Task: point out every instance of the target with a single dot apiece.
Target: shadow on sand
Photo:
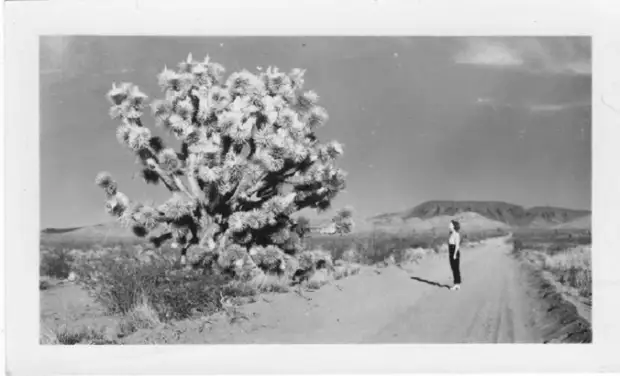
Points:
(436, 284)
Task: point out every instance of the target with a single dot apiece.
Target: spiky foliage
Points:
(249, 159)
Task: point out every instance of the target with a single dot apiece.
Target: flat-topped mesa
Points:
(510, 214)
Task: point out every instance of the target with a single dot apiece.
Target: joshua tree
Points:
(249, 158)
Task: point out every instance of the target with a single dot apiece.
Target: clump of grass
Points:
(573, 268)
(517, 246)
(45, 283)
(410, 255)
(142, 316)
(346, 270)
(352, 255)
(260, 283)
(268, 283)
(316, 284)
(85, 335)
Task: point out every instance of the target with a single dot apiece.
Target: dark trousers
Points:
(455, 265)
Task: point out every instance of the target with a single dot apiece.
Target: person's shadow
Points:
(432, 283)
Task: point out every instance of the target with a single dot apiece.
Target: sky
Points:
(421, 118)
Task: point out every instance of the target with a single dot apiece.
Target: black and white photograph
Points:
(327, 188)
(315, 190)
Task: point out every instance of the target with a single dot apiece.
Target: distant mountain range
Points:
(429, 216)
(502, 212)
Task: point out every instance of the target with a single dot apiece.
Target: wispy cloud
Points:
(531, 107)
(546, 108)
(488, 52)
(490, 102)
(578, 67)
(484, 101)
(550, 55)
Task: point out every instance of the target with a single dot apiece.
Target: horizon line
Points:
(42, 228)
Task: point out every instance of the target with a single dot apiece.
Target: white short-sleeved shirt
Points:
(454, 239)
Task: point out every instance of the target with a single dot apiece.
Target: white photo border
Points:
(26, 21)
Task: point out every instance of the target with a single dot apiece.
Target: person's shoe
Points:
(456, 287)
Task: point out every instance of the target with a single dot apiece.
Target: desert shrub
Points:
(351, 255)
(268, 283)
(318, 258)
(319, 279)
(346, 269)
(291, 265)
(517, 245)
(269, 259)
(316, 284)
(572, 267)
(45, 282)
(56, 263)
(141, 316)
(121, 282)
(240, 288)
(564, 253)
(85, 335)
(411, 255)
(181, 296)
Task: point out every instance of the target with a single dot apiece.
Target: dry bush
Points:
(267, 283)
(291, 265)
(346, 270)
(565, 254)
(141, 316)
(269, 259)
(572, 267)
(441, 248)
(120, 281)
(46, 282)
(413, 255)
(309, 258)
(517, 246)
(85, 335)
(319, 279)
(352, 255)
(260, 283)
(56, 263)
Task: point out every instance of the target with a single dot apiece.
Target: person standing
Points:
(454, 253)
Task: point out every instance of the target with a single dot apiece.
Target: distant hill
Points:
(104, 232)
(508, 214)
(429, 216)
(583, 223)
(59, 230)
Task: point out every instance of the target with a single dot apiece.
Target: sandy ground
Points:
(499, 302)
(397, 306)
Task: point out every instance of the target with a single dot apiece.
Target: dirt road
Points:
(397, 306)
